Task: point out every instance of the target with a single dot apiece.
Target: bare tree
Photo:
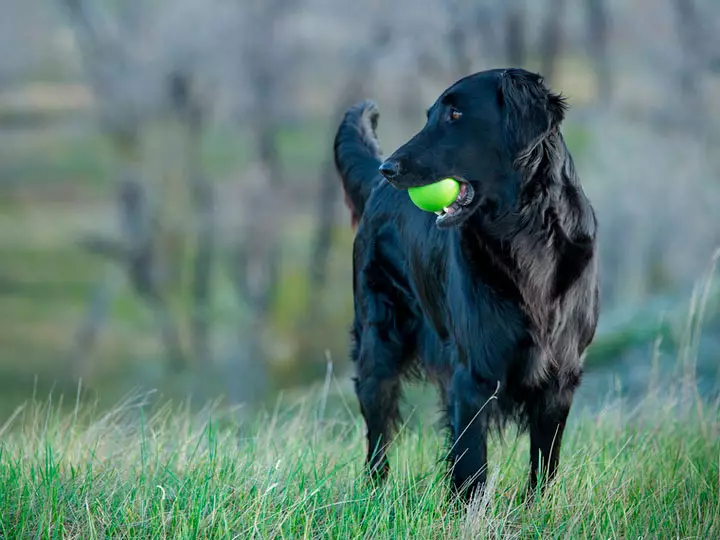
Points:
(551, 38)
(110, 69)
(20, 19)
(189, 108)
(691, 38)
(515, 33)
(358, 82)
(267, 69)
(459, 36)
(598, 24)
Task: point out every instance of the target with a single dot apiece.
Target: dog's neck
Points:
(549, 186)
(530, 241)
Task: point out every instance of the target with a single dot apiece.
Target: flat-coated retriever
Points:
(494, 299)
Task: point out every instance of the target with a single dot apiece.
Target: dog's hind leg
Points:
(377, 386)
(468, 415)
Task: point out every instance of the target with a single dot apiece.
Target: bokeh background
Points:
(170, 216)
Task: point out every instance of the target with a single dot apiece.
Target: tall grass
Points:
(650, 472)
(647, 471)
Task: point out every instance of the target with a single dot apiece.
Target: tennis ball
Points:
(435, 197)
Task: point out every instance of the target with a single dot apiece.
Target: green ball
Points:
(435, 197)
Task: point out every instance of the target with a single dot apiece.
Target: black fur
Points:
(495, 303)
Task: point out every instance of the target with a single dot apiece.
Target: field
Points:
(652, 471)
(220, 404)
(147, 467)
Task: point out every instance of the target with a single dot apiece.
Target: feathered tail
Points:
(358, 156)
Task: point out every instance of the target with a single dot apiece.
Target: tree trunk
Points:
(329, 185)
(598, 23)
(137, 226)
(96, 313)
(515, 42)
(190, 113)
(551, 40)
(257, 262)
(326, 219)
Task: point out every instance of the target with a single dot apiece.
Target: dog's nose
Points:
(390, 169)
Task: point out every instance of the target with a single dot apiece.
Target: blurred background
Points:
(170, 216)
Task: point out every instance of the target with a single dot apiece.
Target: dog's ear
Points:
(531, 110)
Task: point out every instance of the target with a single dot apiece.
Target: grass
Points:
(650, 472)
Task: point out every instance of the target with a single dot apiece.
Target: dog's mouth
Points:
(453, 213)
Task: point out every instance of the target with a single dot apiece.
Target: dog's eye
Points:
(454, 115)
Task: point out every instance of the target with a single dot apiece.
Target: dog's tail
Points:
(358, 156)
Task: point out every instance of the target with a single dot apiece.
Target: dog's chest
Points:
(484, 326)
(461, 307)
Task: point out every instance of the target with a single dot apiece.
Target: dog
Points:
(496, 298)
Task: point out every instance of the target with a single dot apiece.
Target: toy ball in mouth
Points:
(435, 197)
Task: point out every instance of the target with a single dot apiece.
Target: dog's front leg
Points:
(469, 413)
(547, 415)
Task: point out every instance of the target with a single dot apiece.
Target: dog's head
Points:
(476, 132)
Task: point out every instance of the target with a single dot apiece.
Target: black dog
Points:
(496, 298)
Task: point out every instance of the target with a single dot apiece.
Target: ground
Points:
(296, 471)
